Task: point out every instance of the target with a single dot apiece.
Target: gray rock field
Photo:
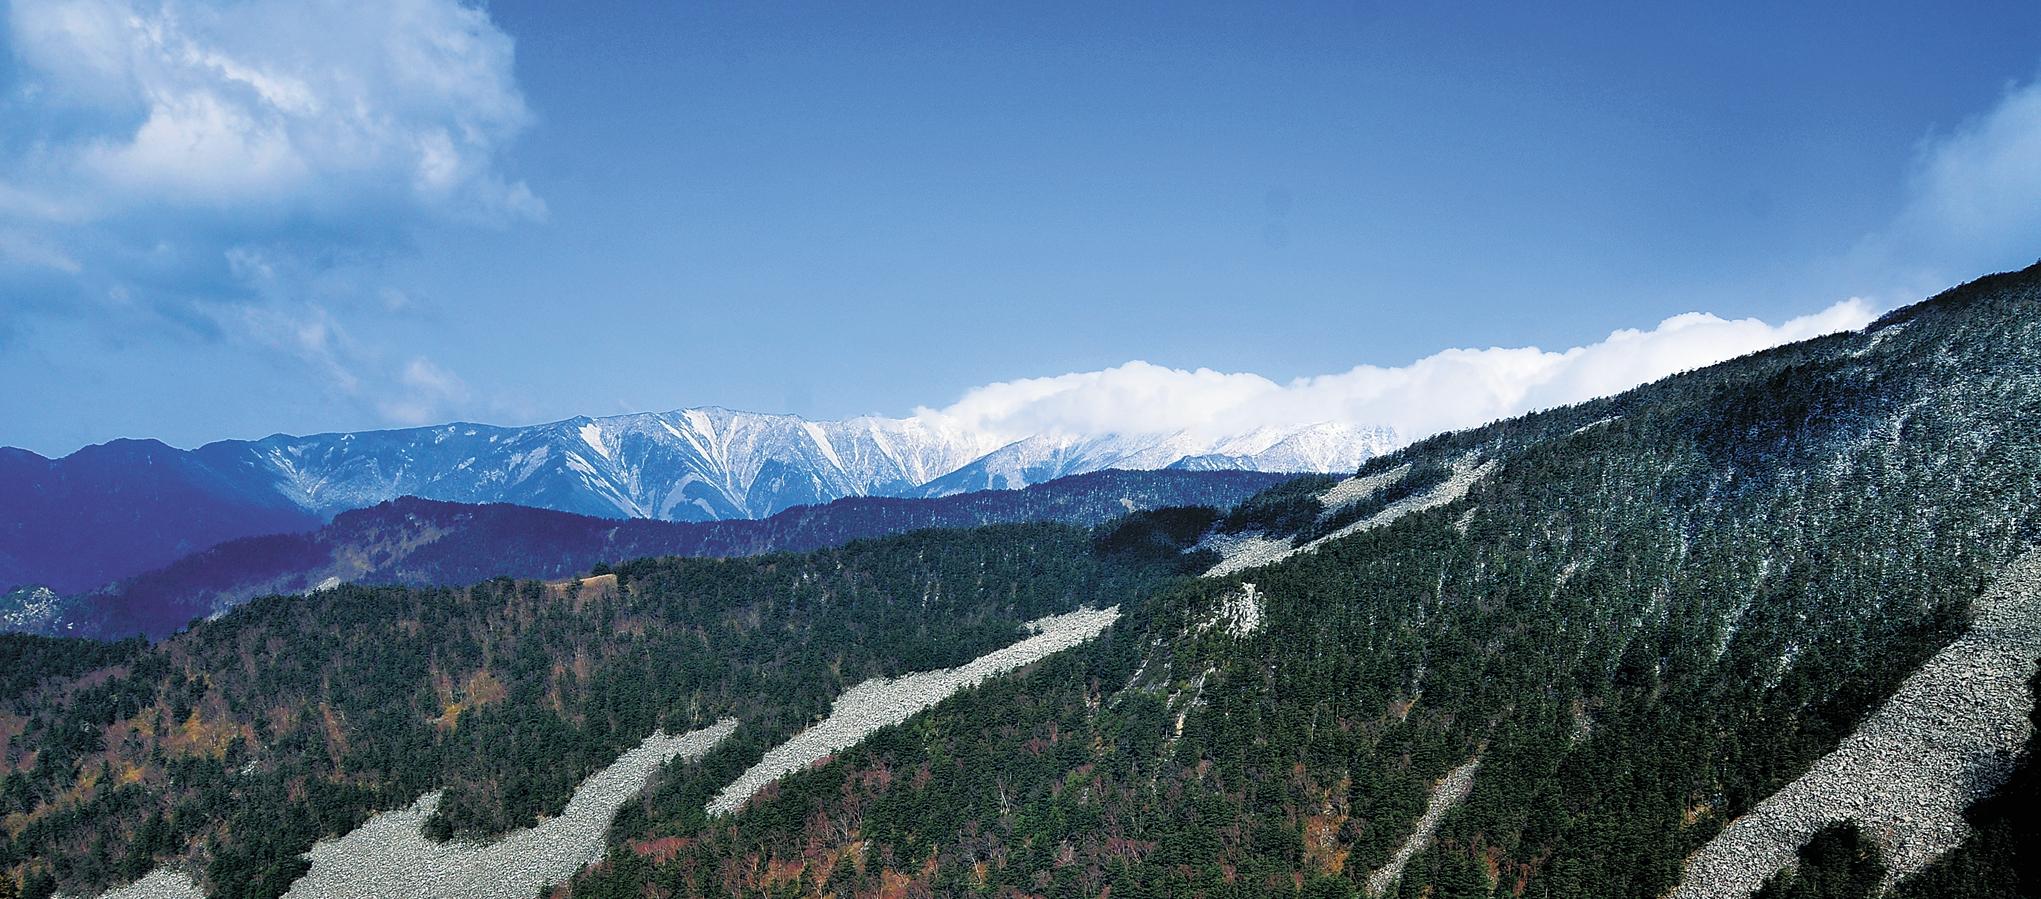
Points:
(1950, 734)
(162, 883)
(882, 701)
(1239, 552)
(390, 857)
(1446, 794)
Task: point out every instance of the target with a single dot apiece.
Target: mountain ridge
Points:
(423, 543)
(1553, 656)
(120, 508)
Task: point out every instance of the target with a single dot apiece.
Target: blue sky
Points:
(231, 220)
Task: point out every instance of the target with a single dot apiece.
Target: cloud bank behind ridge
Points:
(1448, 390)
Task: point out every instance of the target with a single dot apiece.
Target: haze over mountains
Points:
(116, 509)
(428, 543)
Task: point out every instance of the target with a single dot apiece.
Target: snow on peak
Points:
(710, 463)
(591, 434)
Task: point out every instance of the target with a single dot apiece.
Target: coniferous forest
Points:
(1645, 615)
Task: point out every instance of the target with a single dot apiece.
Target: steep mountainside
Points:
(427, 543)
(229, 749)
(1551, 657)
(112, 511)
(1780, 605)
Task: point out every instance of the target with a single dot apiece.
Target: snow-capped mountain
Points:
(710, 463)
(133, 505)
(1324, 447)
(689, 465)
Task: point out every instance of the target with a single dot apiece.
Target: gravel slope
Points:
(882, 701)
(1947, 737)
(1446, 794)
(390, 857)
(1239, 552)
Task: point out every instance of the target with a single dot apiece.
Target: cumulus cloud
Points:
(1972, 205)
(1456, 388)
(234, 173)
(307, 108)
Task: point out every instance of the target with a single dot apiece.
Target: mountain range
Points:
(117, 509)
(1763, 629)
(426, 543)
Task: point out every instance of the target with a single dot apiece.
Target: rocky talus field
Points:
(879, 702)
(1446, 794)
(1950, 734)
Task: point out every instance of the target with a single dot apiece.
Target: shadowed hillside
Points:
(425, 543)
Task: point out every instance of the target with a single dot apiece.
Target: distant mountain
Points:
(1316, 449)
(1765, 628)
(111, 511)
(418, 542)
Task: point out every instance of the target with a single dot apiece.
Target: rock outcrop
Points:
(1239, 612)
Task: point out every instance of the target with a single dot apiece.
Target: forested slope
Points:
(1652, 612)
(1625, 624)
(229, 749)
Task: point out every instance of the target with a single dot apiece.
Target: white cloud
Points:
(21, 248)
(1983, 182)
(304, 332)
(1974, 199)
(1452, 389)
(408, 392)
(313, 107)
(234, 171)
(425, 390)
